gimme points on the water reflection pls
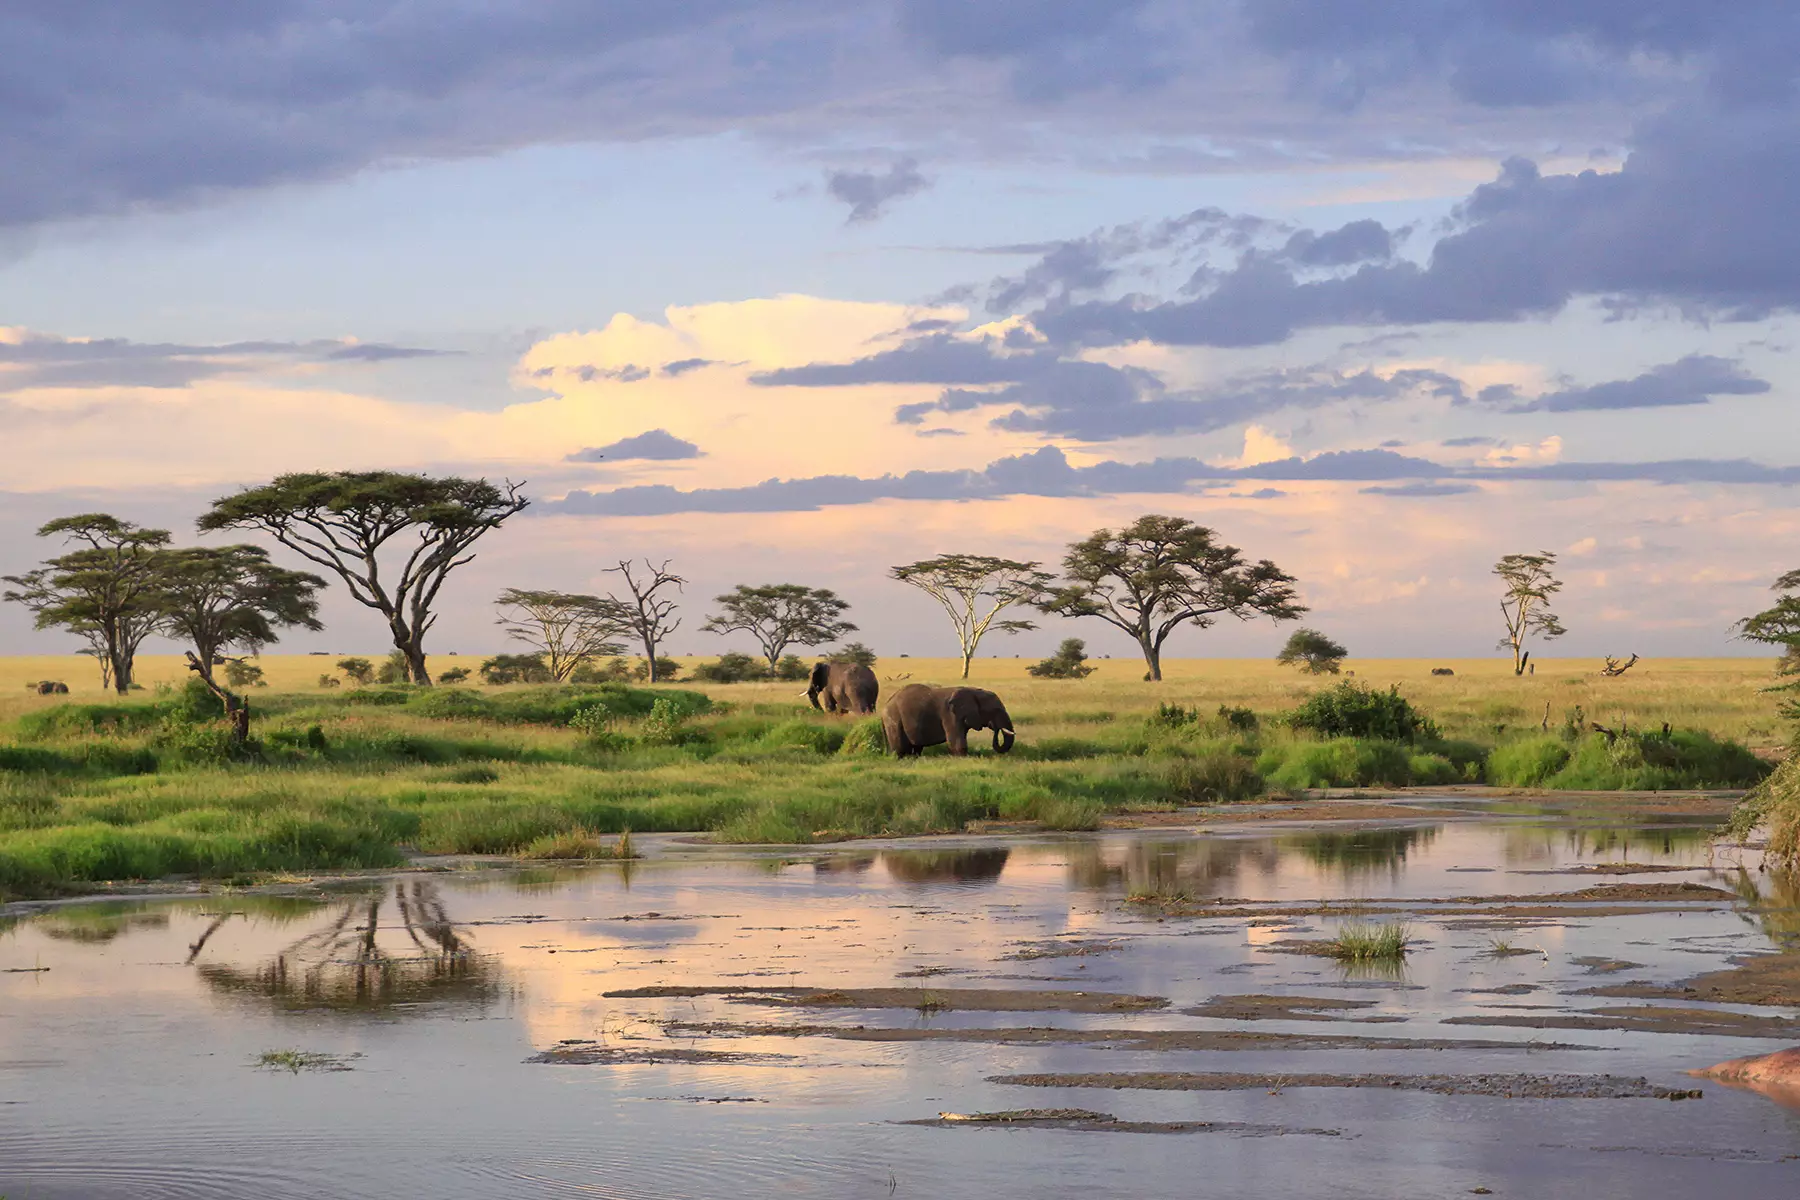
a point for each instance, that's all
(946, 866)
(344, 964)
(97, 924)
(1771, 903)
(1357, 854)
(1195, 867)
(1539, 845)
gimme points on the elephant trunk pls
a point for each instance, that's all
(1003, 740)
(812, 698)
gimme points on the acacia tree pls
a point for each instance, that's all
(1525, 606)
(568, 629)
(648, 616)
(1779, 625)
(779, 615)
(1312, 652)
(102, 592)
(1160, 573)
(219, 598)
(975, 589)
(350, 521)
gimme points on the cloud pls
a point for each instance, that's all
(1457, 443)
(33, 360)
(868, 193)
(1420, 489)
(682, 366)
(657, 445)
(1048, 472)
(1696, 379)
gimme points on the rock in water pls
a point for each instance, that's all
(1776, 1075)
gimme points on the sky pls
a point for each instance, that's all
(795, 291)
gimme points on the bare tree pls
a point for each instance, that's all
(975, 589)
(779, 615)
(103, 591)
(567, 628)
(1526, 603)
(646, 614)
(346, 520)
(1160, 573)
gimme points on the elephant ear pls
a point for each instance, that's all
(965, 705)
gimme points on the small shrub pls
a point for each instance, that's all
(1531, 762)
(612, 670)
(595, 719)
(1237, 718)
(1173, 716)
(664, 725)
(823, 739)
(1069, 662)
(359, 671)
(578, 843)
(198, 743)
(1341, 762)
(328, 681)
(667, 670)
(792, 669)
(731, 667)
(515, 668)
(240, 674)
(453, 675)
(394, 669)
(1353, 709)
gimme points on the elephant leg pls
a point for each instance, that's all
(956, 741)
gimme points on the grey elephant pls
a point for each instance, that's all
(844, 687)
(920, 715)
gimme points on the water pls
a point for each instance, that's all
(130, 1031)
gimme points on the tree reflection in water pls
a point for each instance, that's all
(345, 965)
(946, 866)
(1199, 867)
(1771, 902)
(1359, 853)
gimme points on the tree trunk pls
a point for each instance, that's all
(411, 644)
(415, 664)
(1152, 659)
(650, 658)
(237, 709)
(968, 657)
(121, 671)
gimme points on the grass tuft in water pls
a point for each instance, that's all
(296, 1061)
(1370, 943)
(579, 843)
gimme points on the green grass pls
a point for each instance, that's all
(146, 788)
(1370, 943)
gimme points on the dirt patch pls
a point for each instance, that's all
(1598, 965)
(1510, 989)
(920, 999)
(593, 1054)
(1648, 1019)
(1086, 1120)
(1772, 979)
(1285, 1008)
(1109, 1039)
(1525, 1087)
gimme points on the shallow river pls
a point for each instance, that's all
(132, 1033)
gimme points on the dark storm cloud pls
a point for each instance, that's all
(657, 445)
(1696, 379)
(868, 193)
(39, 361)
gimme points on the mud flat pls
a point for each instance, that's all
(920, 999)
(1083, 1120)
(1771, 979)
(1513, 1087)
(1645, 1019)
(593, 1054)
(1286, 1008)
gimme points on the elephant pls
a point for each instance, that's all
(920, 715)
(846, 687)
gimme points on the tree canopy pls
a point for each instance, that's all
(1779, 625)
(1525, 605)
(391, 537)
(1160, 573)
(103, 591)
(779, 615)
(568, 629)
(975, 589)
(1312, 652)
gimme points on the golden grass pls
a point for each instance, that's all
(1483, 699)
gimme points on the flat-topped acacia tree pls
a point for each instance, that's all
(391, 537)
(779, 615)
(975, 589)
(1160, 573)
(103, 591)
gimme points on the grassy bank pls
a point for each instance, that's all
(96, 789)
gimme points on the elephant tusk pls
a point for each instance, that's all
(1001, 747)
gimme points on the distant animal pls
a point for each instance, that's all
(52, 687)
(920, 715)
(844, 687)
(1442, 671)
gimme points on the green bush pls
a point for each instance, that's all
(1531, 762)
(76, 720)
(1429, 770)
(792, 669)
(511, 668)
(822, 739)
(1341, 762)
(1217, 775)
(1172, 716)
(732, 667)
(665, 724)
(1629, 761)
(1069, 662)
(453, 675)
(1352, 709)
(613, 670)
